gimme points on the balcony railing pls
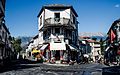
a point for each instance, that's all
(58, 22)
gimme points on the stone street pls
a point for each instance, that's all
(33, 68)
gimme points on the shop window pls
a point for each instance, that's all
(29, 53)
(98, 52)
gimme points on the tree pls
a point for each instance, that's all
(17, 44)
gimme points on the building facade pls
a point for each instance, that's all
(112, 45)
(58, 32)
(58, 27)
(6, 47)
(90, 48)
(2, 8)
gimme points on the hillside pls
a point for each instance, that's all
(25, 40)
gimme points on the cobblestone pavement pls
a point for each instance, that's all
(52, 69)
(112, 70)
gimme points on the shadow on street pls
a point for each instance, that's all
(82, 69)
(18, 64)
(113, 70)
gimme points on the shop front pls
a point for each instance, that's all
(57, 51)
(73, 52)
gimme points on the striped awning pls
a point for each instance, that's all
(44, 47)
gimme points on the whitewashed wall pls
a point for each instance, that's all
(36, 42)
(97, 49)
(63, 13)
(40, 37)
(40, 26)
(30, 46)
(94, 49)
(48, 13)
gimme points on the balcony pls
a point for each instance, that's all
(50, 22)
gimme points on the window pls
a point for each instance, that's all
(119, 28)
(3, 34)
(0, 37)
(73, 19)
(57, 17)
(57, 30)
(0, 30)
(40, 20)
(98, 51)
(0, 26)
(49, 32)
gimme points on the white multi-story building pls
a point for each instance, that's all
(91, 48)
(29, 49)
(95, 50)
(58, 29)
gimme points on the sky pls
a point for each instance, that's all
(93, 15)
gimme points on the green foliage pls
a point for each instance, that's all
(17, 44)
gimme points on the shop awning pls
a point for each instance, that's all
(72, 48)
(44, 47)
(35, 51)
(86, 55)
(57, 46)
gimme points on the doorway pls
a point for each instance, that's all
(57, 55)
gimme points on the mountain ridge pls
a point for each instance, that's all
(90, 34)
